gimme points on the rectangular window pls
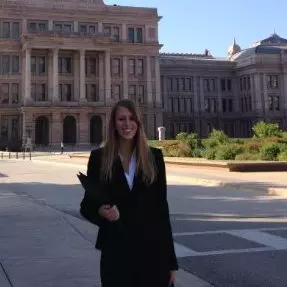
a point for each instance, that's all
(83, 29)
(141, 94)
(5, 64)
(4, 128)
(65, 92)
(15, 129)
(223, 105)
(67, 28)
(140, 67)
(116, 34)
(229, 85)
(170, 84)
(65, 65)
(5, 94)
(131, 66)
(116, 66)
(33, 65)
(33, 91)
(230, 105)
(41, 94)
(92, 66)
(132, 92)
(43, 27)
(92, 29)
(117, 92)
(32, 27)
(131, 35)
(15, 93)
(15, 30)
(15, 64)
(222, 85)
(6, 30)
(107, 31)
(42, 66)
(93, 93)
(139, 35)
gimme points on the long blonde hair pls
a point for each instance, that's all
(145, 166)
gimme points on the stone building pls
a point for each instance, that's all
(64, 63)
(201, 92)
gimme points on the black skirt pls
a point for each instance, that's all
(126, 266)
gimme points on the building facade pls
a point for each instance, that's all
(202, 92)
(64, 64)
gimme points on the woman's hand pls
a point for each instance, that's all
(110, 213)
(172, 277)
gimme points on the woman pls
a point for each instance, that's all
(135, 235)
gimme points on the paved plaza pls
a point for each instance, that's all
(223, 237)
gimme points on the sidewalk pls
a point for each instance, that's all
(43, 247)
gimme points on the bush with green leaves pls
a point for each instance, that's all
(209, 153)
(263, 130)
(282, 156)
(228, 152)
(181, 136)
(270, 151)
(248, 156)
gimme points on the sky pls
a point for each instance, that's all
(191, 26)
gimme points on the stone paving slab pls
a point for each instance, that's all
(266, 269)
(3, 279)
(213, 242)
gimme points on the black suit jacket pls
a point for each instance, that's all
(144, 210)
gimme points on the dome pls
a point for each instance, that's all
(233, 49)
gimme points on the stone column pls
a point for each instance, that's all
(107, 76)
(149, 81)
(27, 92)
(100, 27)
(84, 129)
(124, 32)
(55, 76)
(76, 26)
(157, 83)
(76, 73)
(57, 130)
(50, 76)
(101, 78)
(82, 76)
(125, 78)
(50, 25)
(24, 26)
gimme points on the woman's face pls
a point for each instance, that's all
(126, 125)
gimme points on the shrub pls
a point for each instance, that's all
(176, 149)
(210, 143)
(219, 136)
(228, 152)
(253, 146)
(262, 130)
(181, 136)
(282, 156)
(270, 151)
(209, 153)
(247, 156)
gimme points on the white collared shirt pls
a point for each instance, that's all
(132, 170)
